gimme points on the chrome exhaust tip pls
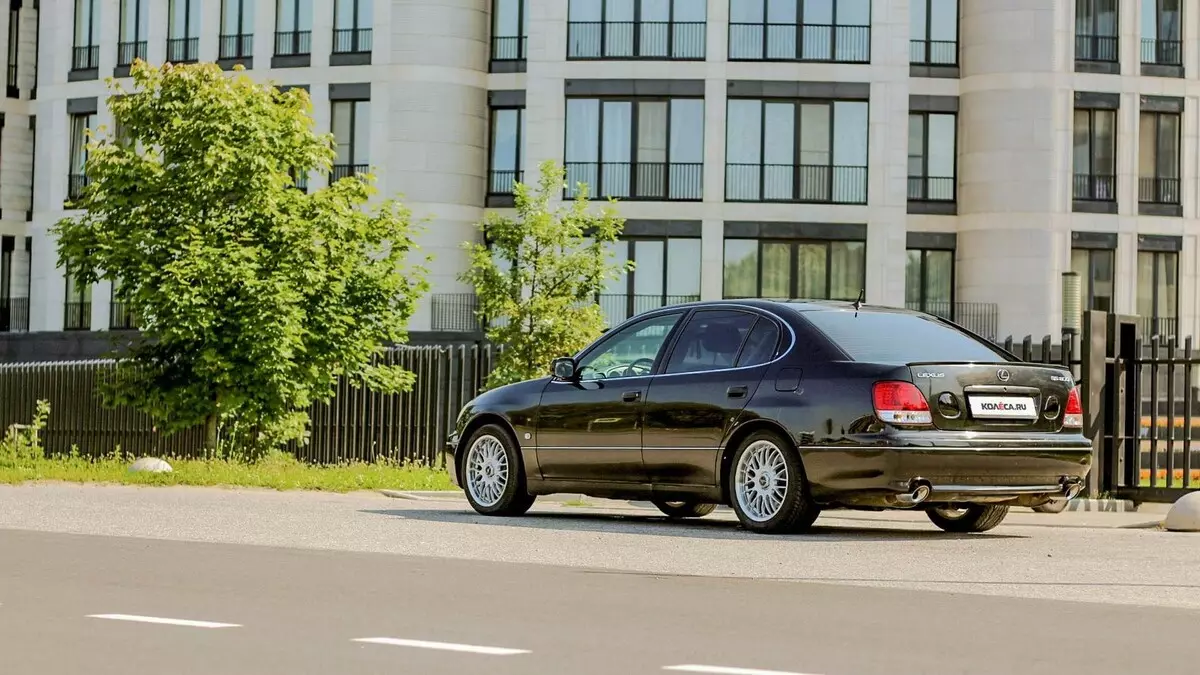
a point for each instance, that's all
(1073, 491)
(918, 494)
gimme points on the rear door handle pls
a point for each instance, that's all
(631, 396)
(736, 392)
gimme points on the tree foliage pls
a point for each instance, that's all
(537, 277)
(253, 297)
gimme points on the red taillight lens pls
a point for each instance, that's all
(1073, 415)
(901, 403)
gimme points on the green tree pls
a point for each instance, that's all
(537, 282)
(253, 297)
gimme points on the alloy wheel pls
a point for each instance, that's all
(487, 470)
(761, 481)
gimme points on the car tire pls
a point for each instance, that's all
(763, 464)
(973, 518)
(493, 475)
(680, 509)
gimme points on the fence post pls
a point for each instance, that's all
(1093, 360)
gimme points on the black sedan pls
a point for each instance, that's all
(781, 410)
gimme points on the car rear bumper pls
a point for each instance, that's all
(910, 477)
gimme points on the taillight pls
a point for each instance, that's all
(1073, 415)
(901, 403)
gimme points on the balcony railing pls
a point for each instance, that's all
(85, 58)
(1095, 187)
(669, 40)
(620, 307)
(981, 318)
(183, 50)
(933, 52)
(76, 182)
(931, 189)
(341, 171)
(799, 42)
(1162, 326)
(128, 52)
(655, 181)
(352, 41)
(236, 46)
(14, 315)
(501, 181)
(818, 184)
(1162, 52)
(13, 91)
(1158, 191)
(77, 316)
(508, 48)
(121, 317)
(299, 182)
(455, 312)
(293, 43)
(1104, 48)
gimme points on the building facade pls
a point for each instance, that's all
(956, 156)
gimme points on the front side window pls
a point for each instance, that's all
(796, 151)
(631, 351)
(1095, 155)
(784, 270)
(636, 149)
(711, 340)
(1095, 270)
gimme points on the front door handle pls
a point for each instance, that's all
(736, 392)
(631, 396)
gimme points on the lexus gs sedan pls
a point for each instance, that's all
(781, 410)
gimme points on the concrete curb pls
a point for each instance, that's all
(1101, 505)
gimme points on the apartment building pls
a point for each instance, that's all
(952, 156)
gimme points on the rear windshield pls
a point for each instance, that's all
(886, 337)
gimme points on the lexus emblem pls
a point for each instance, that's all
(1003, 375)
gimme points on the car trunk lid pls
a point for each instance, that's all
(994, 396)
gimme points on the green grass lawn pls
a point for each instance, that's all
(278, 471)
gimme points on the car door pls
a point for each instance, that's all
(713, 370)
(590, 429)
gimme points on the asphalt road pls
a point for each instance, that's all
(284, 610)
(112, 580)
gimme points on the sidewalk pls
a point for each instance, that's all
(1148, 516)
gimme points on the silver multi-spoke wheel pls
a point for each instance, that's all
(487, 470)
(761, 481)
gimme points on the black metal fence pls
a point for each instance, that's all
(357, 424)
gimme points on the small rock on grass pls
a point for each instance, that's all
(150, 465)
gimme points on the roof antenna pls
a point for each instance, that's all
(862, 297)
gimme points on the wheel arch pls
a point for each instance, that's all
(481, 420)
(735, 439)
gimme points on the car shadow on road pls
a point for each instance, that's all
(696, 528)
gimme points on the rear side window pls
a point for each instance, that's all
(761, 345)
(887, 337)
(710, 341)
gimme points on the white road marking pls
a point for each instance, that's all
(160, 620)
(445, 646)
(723, 670)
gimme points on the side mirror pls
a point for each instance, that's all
(564, 368)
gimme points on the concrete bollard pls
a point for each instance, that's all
(150, 465)
(1184, 515)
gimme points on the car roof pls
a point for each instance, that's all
(800, 305)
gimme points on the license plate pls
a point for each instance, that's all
(1003, 407)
